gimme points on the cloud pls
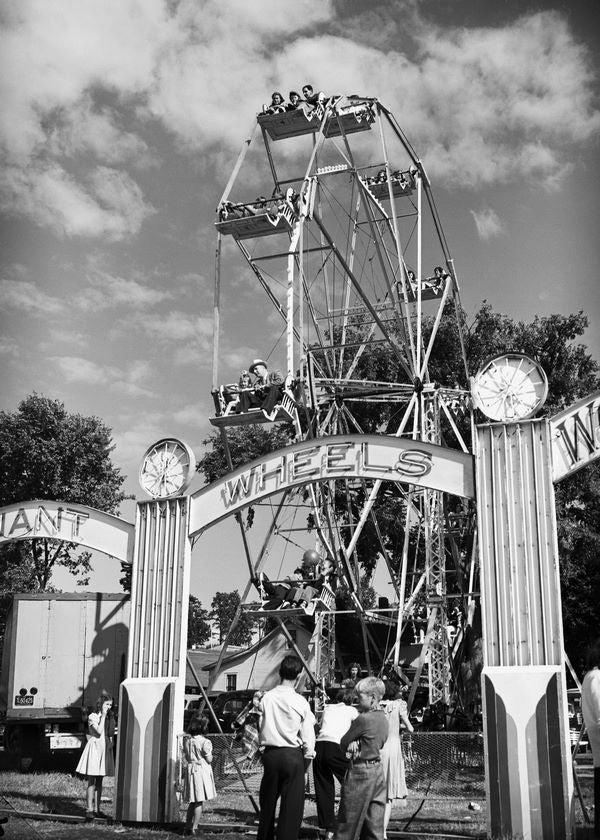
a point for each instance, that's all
(171, 327)
(64, 335)
(106, 291)
(25, 296)
(9, 347)
(109, 203)
(488, 223)
(86, 128)
(129, 382)
(482, 105)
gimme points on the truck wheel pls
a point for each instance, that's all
(21, 746)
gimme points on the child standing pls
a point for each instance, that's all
(97, 760)
(363, 799)
(199, 783)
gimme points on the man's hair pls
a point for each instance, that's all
(371, 685)
(345, 695)
(308, 87)
(592, 655)
(290, 667)
(391, 689)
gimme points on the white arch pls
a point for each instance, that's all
(78, 524)
(340, 456)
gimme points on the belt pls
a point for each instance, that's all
(276, 747)
(367, 761)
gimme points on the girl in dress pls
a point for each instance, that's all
(199, 783)
(396, 710)
(97, 760)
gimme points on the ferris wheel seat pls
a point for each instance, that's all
(349, 119)
(431, 289)
(303, 120)
(254, 415)
(262, 224)
(348, 115)
(381, 192)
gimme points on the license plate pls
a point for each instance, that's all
(24, 701)
(65, 742)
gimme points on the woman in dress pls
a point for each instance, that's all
(590, 706)
(391, 754)
(199, 783)
(97, 760)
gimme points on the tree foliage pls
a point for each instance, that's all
(198, 629)
(224, 606)
(245, 444)
(48, 453)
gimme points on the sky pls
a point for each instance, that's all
(121, 123)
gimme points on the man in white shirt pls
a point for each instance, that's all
(330, 761)
(287, 743)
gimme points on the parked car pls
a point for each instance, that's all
(226, 707)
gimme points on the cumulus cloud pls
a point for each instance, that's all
(105, 291)
(481, 105)
(25, 296)
(108, 203)
(170, 327)
(129, 381)
(9, 347)
(487, 222)
(85, 128)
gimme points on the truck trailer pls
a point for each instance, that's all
(61, 650)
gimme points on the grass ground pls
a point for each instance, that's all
(53, 792)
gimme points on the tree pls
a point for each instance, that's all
(245, 444)
(224, 606)
(47, 453)
(198, 630)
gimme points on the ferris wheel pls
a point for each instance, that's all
(345, 244)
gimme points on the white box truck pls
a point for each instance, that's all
(60, 652)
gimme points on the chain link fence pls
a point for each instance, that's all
(438, 765)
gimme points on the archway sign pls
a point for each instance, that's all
(73, 523)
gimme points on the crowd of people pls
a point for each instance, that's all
(356, 741)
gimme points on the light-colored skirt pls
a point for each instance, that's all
(97, 758)
(199, 782)
(393, 768)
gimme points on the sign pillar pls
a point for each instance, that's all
(151, 698)
(527, 751)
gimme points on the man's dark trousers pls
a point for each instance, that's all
(330, 761)
(283, 776)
